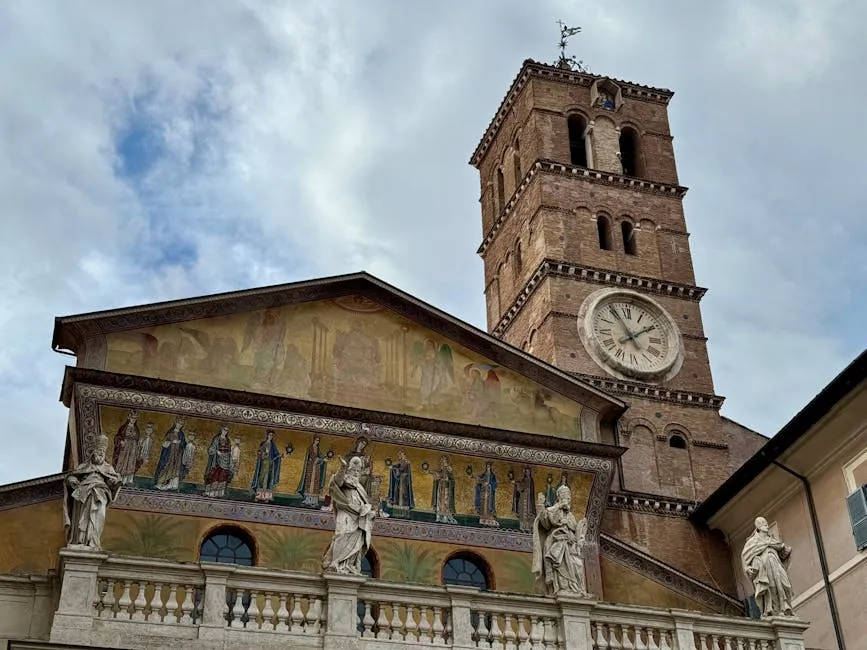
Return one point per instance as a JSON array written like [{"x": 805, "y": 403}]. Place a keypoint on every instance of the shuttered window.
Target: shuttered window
[{"x": 857, "y": 502}]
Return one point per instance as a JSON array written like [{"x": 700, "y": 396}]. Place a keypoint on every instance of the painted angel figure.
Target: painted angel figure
[
  {"x": 485, "y": 497},
  {"x": 88, "y": 491},
  {"x": 169, "y": 468},
  {"x": 443, "y": 496},
  {"x": 267, "y": 472},
  {"x": 353, "y": 520},
  {"x": 436, "y": 368},
  {"x": 145, "y": 444},
  {"x": 764, "y": 559},
  {"x": 126, "y": 448},
  {"x": 558, "y": 545},
  {"x": 400, "y": 496},
  {"x": 523, "y": 506},
  {"x": 312, "y": 481}
]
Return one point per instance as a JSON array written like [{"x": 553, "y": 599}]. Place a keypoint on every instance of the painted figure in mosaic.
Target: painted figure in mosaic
[
  {"x": 551, "y": 488},
  {"x": 145, "y": 444},
  {"x": 359, "y": 448},
  {"x": 443, "y": 497},
  {"x": 189, "y": 455},
  {"x": 218, "y": 470},
  {"x": 356, "y": 358},
  {"x": 88, "y": 490},
  {"x": 126, "y": 457},
  {"x": 481, "y": 388},
  {"x": 485, "y": 499},
  {"x": 435, "y": 366},
  {"x": 353, "y": 520},
  {"x": 558, "y": 545},
  {"x": 765, "y": 559},
  {"x": 263, "y": 336},
  {"x": 400, "y": 496},
  {"x": 169, "y": 468},
  {"x": 606, "y": 101},
  {"x": 235, "y": 462},
  {"x": 267, "y": 472},
  {"x": 313, "y": 474},
  {"x": 523, "y": 504}
]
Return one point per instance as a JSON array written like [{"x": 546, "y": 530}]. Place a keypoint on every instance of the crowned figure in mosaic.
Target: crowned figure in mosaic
[
  {"x": 443, "y": 497},
  {"x": 558, "y": 545},
  {"x": 126, "y": 457},
  {"x": 266, "y": 475},
  {"x": 88, "y": 490},
  {"x": 170, "y": 465},
  {"x": 523, "y": 506},
  {"x": 764, "y": 560},
  {"x": 353, "y": 520},
  {"x": 312, "y": 481},
  {"x": 400, "y": 495}
]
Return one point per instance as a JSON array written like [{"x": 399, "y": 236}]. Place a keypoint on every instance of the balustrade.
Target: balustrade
[{"x": 132, "y": 600}]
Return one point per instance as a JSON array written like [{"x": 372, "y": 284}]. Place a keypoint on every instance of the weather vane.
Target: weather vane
[{"x": 569, "y": 62}]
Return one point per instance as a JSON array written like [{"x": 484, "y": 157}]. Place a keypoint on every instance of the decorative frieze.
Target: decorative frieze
[{"x": 651, "y": 504}]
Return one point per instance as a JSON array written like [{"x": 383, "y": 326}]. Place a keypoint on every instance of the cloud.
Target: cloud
[{"x": 153, "y": 151}]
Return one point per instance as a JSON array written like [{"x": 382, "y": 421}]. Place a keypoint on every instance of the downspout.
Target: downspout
[{"x": 823, "y": 561}]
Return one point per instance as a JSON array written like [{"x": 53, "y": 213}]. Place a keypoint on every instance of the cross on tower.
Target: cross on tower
[{"x": 564, "y": 61}]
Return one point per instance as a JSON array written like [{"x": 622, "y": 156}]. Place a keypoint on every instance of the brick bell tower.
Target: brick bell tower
[{"x": 588, "y": 267}]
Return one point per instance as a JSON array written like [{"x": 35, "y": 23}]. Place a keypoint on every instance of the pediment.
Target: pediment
[{"x": 352, "y": 341}]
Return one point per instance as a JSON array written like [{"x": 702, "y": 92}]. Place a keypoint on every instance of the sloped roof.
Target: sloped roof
[{"x": 71, "y": 331}]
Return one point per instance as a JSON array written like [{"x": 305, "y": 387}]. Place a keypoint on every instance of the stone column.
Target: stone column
[
  {"x": 462, "y": 628},
  {"x": 79, "y": 591},
  {"x": 341, "y": 632},
  {"x": 575, "y": 621},
  {"x": 684, "y": 633},
  {"x": 789, "y": 632},
  {"x": 213, "y": 624}
]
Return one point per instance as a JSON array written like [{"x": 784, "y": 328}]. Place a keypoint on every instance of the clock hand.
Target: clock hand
[
  {"x": 622, "y": 322},
  {"x": 646, "y": 329}
]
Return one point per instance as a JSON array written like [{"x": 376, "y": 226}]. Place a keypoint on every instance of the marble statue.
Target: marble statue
[
  {"x": 558, "y": 545},
  {"x": 765, "y": 559},
  {"x": 353, "y": 519},
  {"x": 88, "y": 490}
]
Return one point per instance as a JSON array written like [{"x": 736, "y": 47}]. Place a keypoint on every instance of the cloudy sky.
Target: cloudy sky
[{"x": 158, "y": 150}]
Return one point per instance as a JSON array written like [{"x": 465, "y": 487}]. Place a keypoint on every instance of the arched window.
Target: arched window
[
  {"x": 603, "y": 229},
  {"x": 677, "y": 441},
  {"x": 228, "y": 545},
  {"x": 501, "y": 192},
  {"x": 629, "y": 244},
  {"x": 516, "y": 163},
  {"x": 467, "y": 570},
  {"x": 629, "y": 152},
  {"x": 577, "y": 145}
]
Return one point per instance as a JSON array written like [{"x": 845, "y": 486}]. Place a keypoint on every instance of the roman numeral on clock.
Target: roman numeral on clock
[
  {"x": 654, "y": 339},
  {"x": 608, "y": 343},
  {"x": 606, "y": 331},
  {"x": 654, "y": 351},
  {"x": 627, "y": 311},
  {"x": 619, "y": 354}
]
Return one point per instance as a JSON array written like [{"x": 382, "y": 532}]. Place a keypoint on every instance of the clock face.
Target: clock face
[{"x": 632, "y": 335}]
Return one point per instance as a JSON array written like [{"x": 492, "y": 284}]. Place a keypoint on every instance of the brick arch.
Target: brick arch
[
  {"x": 639, "y": 462},
  {"x": 673, "y": 427},
  {"x": 676, "y": 471}
]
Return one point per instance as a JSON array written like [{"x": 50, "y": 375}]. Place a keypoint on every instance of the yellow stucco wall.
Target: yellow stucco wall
[
  {"x": 348, "y": 351},
  {"x": 623, "y": 585},
  {"x": 30, "y": 537}
]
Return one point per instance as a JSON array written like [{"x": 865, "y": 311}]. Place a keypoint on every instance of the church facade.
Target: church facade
[{"x": 224, "y": 417}]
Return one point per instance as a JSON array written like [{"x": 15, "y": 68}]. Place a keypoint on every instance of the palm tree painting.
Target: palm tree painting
[
  {"x": 517, "y": 575},
  {"x": 292, "y": 549},
  {"x": 407, "y": 562},
  {"x": 162, "y": 536}
]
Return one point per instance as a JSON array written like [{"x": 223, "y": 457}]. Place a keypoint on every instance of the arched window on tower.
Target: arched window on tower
[
  {"x": 629, "y": 244},
  {"x": 603, "y": 229},
  {"x": 501, "y": 192},
  {"x": 677, "y": 441},
  {"x": 630, "y": 158},
  {"x": 577, "y": 144},
  {"x": 516, "y": 162}
]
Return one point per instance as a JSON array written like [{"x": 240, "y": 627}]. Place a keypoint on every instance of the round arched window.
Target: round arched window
[
  {"x": 227, "y": 546},
  {"x": 677, "y": 441},
  {"x": 466, "y": 570}
]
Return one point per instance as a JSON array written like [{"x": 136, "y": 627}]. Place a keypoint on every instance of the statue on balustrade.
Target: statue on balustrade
[
  {"x": 353, "y": 519},
  {"x": 88, "y": 490},
  {"x": 558, "y": 545},
  {"x": 765, "y": 559}
]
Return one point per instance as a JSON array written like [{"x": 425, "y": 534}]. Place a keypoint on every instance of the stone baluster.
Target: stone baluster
[
  {"x": 509, "y": 633},
  {"x": 396, "y": 624},
  {"x": 156, "y": 615},
  {"x": 626, "y": 637},
  {"x": 238, "y": 610},
  {"x": 523, "y": 634},
  {"x": 448, "y": 633},
  {"x": 316, "y": 613},
  {"x": 549, "y": 637},
  {"x": 639, "y": 641},
  {"x": 536, "y": 634},
  {"x": 124, "y": 605},
  {"x": 268, "y": 622},
  {"x": 108, "y": 601},
  {"x": 281, "y": 624},
  {"x": 650, "y": 635},
  {"x": 497, "y": 642},
  {"x": 411, "y": 632},
  {"x": 296, "y": 619},
  {"x": 253, "y": 611},
  {"x": 424, "y": 626},
  {"x": 137, "y": 612},
  {"x": 665, "y": 642},
  {"x": 187, "y": 606},
  {"x": 438, "y": 628},
  {"x": 614, "y": 637},
  {"x": 172, "y": 605},
  {"x": 367, "y": 621},
  {"x": 702, "y": 642},
  {"x": 383, "y": 626},
  {"x": 483, "y": 634}
]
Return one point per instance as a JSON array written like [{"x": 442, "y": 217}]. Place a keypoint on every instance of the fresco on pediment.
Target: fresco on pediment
[
  {"x": 347, "y": 351},
  {"x": 173, "y": 454}
]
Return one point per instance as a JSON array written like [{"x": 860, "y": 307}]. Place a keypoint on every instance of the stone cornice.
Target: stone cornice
[
  {"x": 650, "y": 503},
  {"x": 23, "y": 493},
  {"x": 558, "y": 268},
  {"x": 639, "y": 561},
  {"x": 649, "y": 391},
  {"x": 585, "y": 174},
  {"x": 532, "y": 69}
]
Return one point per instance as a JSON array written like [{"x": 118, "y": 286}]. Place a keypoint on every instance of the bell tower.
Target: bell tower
[{"x": 588, "y": 267}]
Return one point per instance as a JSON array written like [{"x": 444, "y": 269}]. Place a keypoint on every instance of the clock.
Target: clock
[{"x": 630, "y": 335}]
